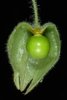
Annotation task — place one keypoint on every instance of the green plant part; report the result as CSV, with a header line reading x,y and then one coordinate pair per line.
x,y
38,46
32,52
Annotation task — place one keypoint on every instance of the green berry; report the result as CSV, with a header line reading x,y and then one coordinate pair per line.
x,y
38,46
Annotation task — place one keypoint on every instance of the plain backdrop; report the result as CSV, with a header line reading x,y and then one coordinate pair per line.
x,y
54,85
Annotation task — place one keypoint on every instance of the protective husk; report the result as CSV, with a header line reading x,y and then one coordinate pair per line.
x,y
27,69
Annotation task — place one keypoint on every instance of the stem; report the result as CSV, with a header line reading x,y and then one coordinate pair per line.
x,y
35,14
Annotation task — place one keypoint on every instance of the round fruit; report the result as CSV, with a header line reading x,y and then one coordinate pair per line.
x,y
38,46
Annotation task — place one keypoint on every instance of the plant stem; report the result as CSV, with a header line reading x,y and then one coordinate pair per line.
x,y
36,21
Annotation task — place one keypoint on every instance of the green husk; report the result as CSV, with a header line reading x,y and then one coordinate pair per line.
x,y
25,67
